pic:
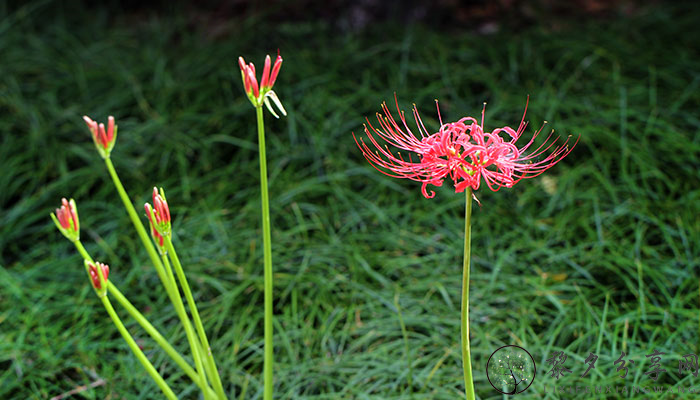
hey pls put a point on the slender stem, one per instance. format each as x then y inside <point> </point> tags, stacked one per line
<point>208,356</point>
<point>179,360</point>
<point>140,229</point>
<point>466,352</point>
<point>169,284</point>
<point>82,250</point>
<point>137,351</point>
<point>267,258</point>
<point>191,338</point>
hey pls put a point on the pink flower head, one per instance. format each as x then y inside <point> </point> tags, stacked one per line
<point>261,94</point>
<point>92,270</point>
<point>66,219</point>
<point>158,216</point>
<point>104,138</point>
<point>460,151</point>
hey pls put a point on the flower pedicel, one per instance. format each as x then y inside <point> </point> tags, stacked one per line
<point>259,95</point>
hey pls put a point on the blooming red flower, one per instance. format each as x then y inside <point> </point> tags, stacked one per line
<point>261,94</point>
<point>460,151</point>
<point>158,216</point>
<point>104,139</point>
<point>66,219</point>
<point>92,270</point>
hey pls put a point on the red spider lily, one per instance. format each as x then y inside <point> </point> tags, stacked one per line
<point>92,270</point>
<point>158,216</point>
<point>66,219</point>
<point>460,151</point>
<point>261,94</point>
<point>104,139</point>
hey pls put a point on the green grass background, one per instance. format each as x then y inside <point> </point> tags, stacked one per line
<point>599,255</point>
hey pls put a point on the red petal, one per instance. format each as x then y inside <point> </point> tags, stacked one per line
<point>266,73</point>
<point>110,128</point>
<point>275,71</point>
<point>167,211</point>
<point>103,136</point>
<point>159,209</point>
<point>75,219</point>
<point>62,218</point>
<point>253,82</point>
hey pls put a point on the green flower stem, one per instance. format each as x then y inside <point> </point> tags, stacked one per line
<point>267,258</point>
<point>135,348</point>
<point>169,284</point>
<point>140,229</point>
<point>207,356</point>
<point>82,251</point>
<point>466,352</point>
<point>136,315</point>
<point>191,338</point>
<point>179,360</point>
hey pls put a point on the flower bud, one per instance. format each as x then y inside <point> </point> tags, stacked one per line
<point>66,219</point>
<point>104,138</point>
<point>157,237</point>
<point>159,217</point>
<point>94,274</point>
<point>262,93</point>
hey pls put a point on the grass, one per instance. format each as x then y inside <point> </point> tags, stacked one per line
<point>598,255</point>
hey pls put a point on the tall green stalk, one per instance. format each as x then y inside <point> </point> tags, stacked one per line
<point>158,338</point>
<point>207,356</point>
<point>466,352</point>
<point>189,331</point>
<point>267,259</point>
<point>137,351</point>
